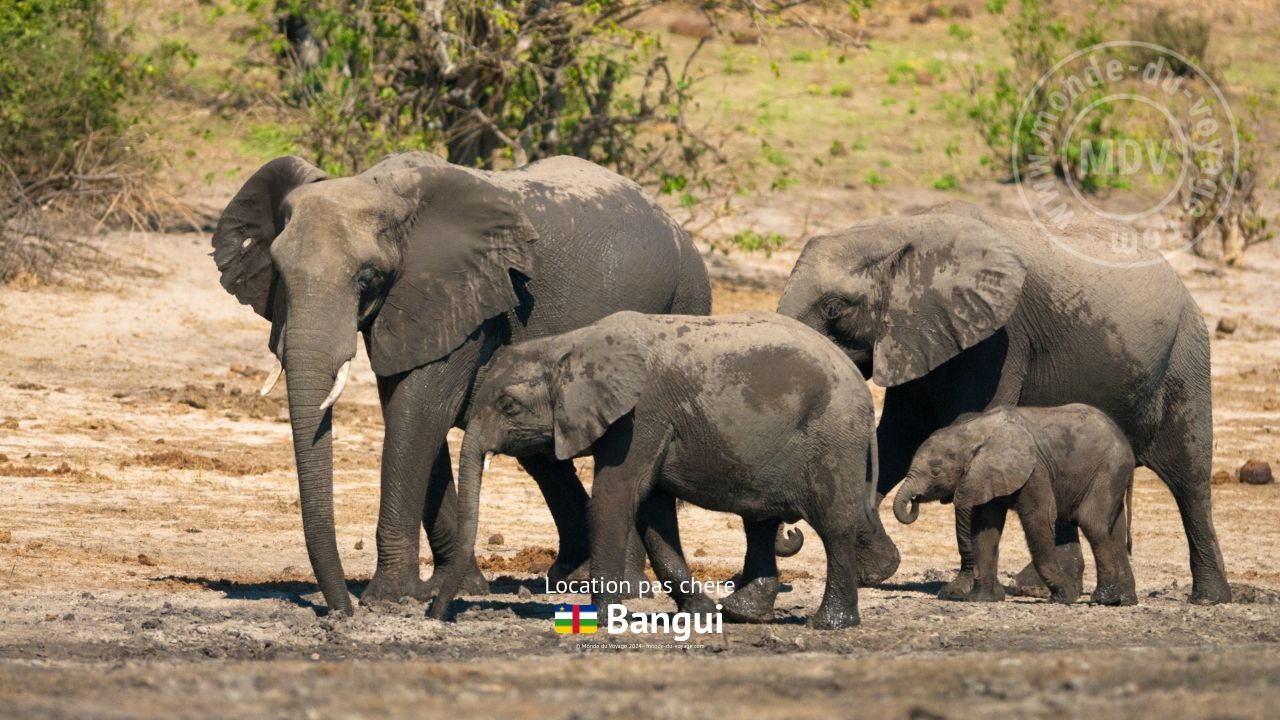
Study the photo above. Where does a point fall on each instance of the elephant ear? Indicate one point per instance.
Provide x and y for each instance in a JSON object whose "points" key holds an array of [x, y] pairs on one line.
{"points": [[466, 249], [1002, 464], [248, 226], [953, 282], [598, 381]]}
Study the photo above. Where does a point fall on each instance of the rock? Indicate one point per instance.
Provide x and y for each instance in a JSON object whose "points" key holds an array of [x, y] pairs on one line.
{"points": [[961, 11], [496, 539], [360, 544], [700, 552], [524, 593], [144, 559], [6, 536], [1222, 477], [1228, 324], [1255, 472], [917, 18]]}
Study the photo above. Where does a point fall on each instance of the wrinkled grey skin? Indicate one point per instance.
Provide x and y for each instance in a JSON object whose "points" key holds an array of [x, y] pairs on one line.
{"points": [[1061, 469], [956, 310], [753, 414], [436, 265]]}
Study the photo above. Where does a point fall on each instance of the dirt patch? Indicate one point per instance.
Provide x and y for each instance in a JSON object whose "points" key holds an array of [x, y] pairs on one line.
{"points": [[182, 460], [533, 560]]}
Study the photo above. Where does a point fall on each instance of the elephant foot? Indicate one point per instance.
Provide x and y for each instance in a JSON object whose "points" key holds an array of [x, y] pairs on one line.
{"points": [[1110, 595], [1210, 593], [828, 618], [1064, 596], [753, 602], [1027, 583], [986, 593], [385, 587], [698, 603], [959, 588], [569, 569]]}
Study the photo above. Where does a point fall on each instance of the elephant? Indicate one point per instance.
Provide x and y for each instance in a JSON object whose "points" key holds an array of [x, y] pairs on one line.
{"points": [[957, 310], [753, 414], [1061, 469], [436, 265]]}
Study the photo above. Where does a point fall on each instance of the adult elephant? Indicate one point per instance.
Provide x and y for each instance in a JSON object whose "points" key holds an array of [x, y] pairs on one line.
{"points": [[956, 310], [436, 265]]}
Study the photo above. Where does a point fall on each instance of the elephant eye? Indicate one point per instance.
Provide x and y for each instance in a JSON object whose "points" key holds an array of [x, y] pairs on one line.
{"points": [[508, 405], [833, 308]]}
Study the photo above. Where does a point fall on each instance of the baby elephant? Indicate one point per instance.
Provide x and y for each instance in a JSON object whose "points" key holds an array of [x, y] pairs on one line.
{"points": [[1058, 468], [753, 414]]}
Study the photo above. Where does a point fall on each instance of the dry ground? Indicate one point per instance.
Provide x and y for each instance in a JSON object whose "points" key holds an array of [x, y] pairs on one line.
{"points": [[152, 564]]}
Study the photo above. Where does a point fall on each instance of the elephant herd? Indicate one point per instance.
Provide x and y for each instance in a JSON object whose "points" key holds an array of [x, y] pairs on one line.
{"points": [[555, 311]]}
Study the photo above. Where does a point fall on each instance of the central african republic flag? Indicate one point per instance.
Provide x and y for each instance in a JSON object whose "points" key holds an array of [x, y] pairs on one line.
{"points": [[576, 619]]}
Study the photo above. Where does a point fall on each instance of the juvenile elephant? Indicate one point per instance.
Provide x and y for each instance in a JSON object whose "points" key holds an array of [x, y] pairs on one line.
{"points": [[436, 265], [1059, 468], [753, 414], [957, 310]]}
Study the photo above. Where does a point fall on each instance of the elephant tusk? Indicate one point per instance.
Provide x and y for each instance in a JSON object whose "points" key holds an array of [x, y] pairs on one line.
{"points": [[339, 383], [487, 457], [272, 378]]}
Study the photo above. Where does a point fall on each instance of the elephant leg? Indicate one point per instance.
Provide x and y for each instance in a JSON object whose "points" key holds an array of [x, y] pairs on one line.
{"points": [[988, 525], [660, 533], [753, 600], [1186, 470], [626, 462], [1038, 513], [419, 407], [567, 501], [1108, 538], [961, 586], [839, 608], [1070, 556]]}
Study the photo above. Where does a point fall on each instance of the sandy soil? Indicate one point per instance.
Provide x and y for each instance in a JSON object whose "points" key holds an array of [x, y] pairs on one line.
{"points": [[152, 564]]}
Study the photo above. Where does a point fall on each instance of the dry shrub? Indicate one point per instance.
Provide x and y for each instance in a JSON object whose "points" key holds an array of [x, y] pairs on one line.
{"points": [[70, 155], [1228, 220], [1184, 34]]}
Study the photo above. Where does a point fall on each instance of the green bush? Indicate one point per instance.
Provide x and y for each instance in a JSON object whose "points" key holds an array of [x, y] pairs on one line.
{"points": [[68, 154], [1038, 38], [62, 78]]}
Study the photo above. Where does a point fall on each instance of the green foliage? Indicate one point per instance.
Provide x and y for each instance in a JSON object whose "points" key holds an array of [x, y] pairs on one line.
{"points": [[947, 182], [483, 84], [68, 153], [875, 179], [1038, 38], [751, 241], [62, 78]]}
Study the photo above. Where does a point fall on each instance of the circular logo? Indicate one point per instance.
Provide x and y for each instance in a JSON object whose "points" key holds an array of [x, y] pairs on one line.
{"points": [[1132, 116]]}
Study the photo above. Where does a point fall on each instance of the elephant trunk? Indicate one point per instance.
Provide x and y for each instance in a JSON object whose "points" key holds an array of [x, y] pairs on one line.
{"points": [[314, 358], [787, 543], [471, 466], [907, 495]]}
